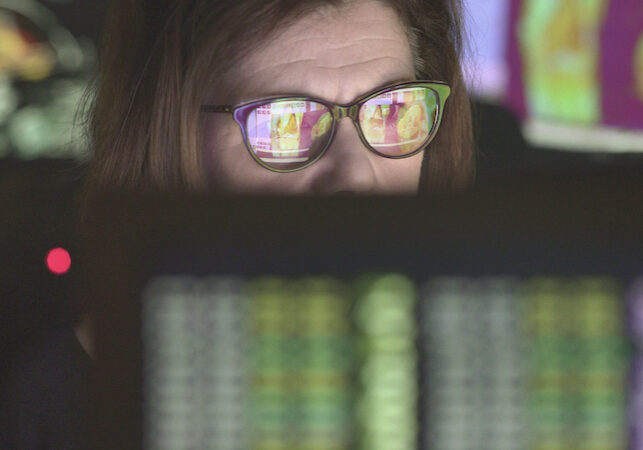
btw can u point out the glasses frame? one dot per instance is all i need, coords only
(241, 112)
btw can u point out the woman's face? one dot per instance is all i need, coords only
(338, 56)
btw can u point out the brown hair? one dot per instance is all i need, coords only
(158, 60)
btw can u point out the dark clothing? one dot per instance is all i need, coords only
(41, 400)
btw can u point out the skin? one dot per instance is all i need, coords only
(337, 55)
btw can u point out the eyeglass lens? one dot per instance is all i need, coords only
(287, 134)
(399, 122)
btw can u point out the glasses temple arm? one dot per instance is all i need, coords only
(216, 108)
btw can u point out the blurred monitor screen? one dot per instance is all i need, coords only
(485, 61)
(571, 69)
(48, 53)
(383, 361)
(381, 323)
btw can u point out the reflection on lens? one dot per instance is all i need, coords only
(413, 123)
(322, 126)
(399, 122)
(375, 122)
(287, 134)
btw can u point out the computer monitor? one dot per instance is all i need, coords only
(504, 318)
(571, 70)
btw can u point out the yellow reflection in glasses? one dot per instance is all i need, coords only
(374, 122)
(322, 126)
(412, 123)
(285, 130)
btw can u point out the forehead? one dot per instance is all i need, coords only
(335, 54)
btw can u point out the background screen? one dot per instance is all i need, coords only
(48, 51)
(572, 70)
(383, 361)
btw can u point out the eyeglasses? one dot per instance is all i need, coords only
(286, 134)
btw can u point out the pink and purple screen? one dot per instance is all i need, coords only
(572, 70)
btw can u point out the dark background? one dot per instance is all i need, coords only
(38, 213)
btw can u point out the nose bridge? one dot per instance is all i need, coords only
(347, 166)
(345, 111)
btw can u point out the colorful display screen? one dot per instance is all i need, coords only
(382, 361)
(571, 69)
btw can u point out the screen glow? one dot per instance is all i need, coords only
(383, 361)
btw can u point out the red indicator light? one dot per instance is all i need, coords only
(58, 261)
